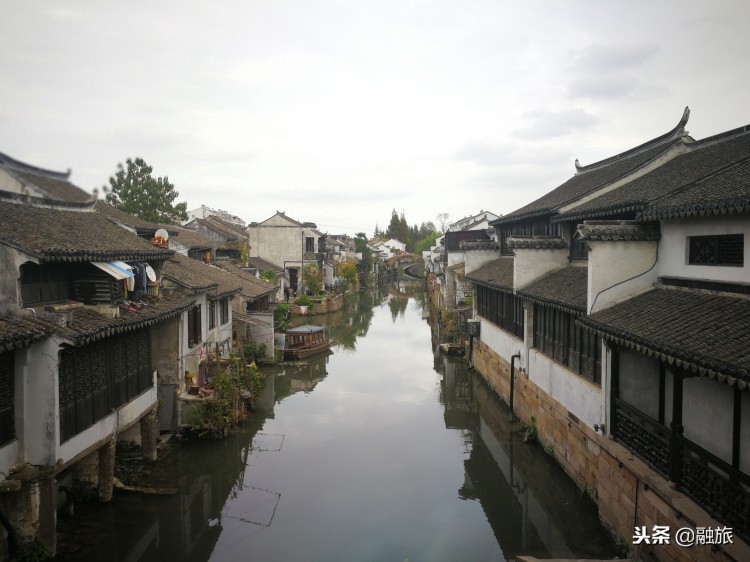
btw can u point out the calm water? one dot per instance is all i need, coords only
(381, 451)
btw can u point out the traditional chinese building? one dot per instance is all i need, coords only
(615, 313)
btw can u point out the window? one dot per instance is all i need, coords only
(727, 250)
(100, 377)
(224, 310)
(557, 336)
(194, 326)
(309, 244)
(7, 398)
(44, 283)
(211, 315)
(502, 309)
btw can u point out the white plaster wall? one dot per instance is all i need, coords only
(639, 382)
(10, 273)
(501, 342)
(39, 432)
(707, 415)
(279, 244)
(584, 399)
(530, 265)
(11, 184)
(618, 270)
(745, 434)
(673, 248)
(474, 259)
(9, 456)
(264, 333)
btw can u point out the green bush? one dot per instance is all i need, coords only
(303, 300)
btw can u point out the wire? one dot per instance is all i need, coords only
(656, 259)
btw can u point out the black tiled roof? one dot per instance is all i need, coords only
(84, 324)
(497, 274)
(191, 239)
(223, 229)
(121, 217)
(725, 192)
(585, 182)
(703, 159)
(565, 289)
(66, 235)
(252, 287)
(17, 333)
(198, 276)
(263, 265)
(706, 332)
(55, 188)
(53, 185)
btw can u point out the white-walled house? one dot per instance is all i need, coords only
(80, 360)
(618, 305)
(288, 243)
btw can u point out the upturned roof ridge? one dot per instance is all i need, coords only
(13, 164)
(677, 132)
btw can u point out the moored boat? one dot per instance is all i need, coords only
(304, 341)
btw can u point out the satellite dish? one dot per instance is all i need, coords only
(150, 273)
(161, 233)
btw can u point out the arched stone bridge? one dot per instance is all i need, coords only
(392, 261)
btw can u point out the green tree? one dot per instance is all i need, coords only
(394, 227)
(360, 244)
(269, 276)
(313, 278)
(349, 272)
(134, 190)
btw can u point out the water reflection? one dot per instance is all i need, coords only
(382, 450)
(532, 507)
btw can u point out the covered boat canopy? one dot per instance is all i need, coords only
(305, 329)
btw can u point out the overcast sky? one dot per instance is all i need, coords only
(338, 111)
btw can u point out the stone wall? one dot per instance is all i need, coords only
(627, 492)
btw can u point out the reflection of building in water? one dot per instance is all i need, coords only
(525, 495)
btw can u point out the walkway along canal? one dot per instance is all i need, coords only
(382, 450)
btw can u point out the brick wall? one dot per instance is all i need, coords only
(626, 491)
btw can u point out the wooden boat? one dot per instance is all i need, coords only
(304, 341)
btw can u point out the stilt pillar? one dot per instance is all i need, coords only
(149, 435)
(107, 470)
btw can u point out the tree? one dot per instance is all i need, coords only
(394, 227)
(135, 191)
(269, 276)
(360, 244)
(442, 218)
(349, 272)
(313, 278)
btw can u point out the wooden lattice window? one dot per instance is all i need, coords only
(224, 311)
(211, 315)
(194, 326)
(502, 309)
(7, 398)
(725, 249)
(100, 377)
(557, 336)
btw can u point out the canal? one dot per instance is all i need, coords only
(382, 450)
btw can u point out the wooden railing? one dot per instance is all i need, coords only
(720, 489)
